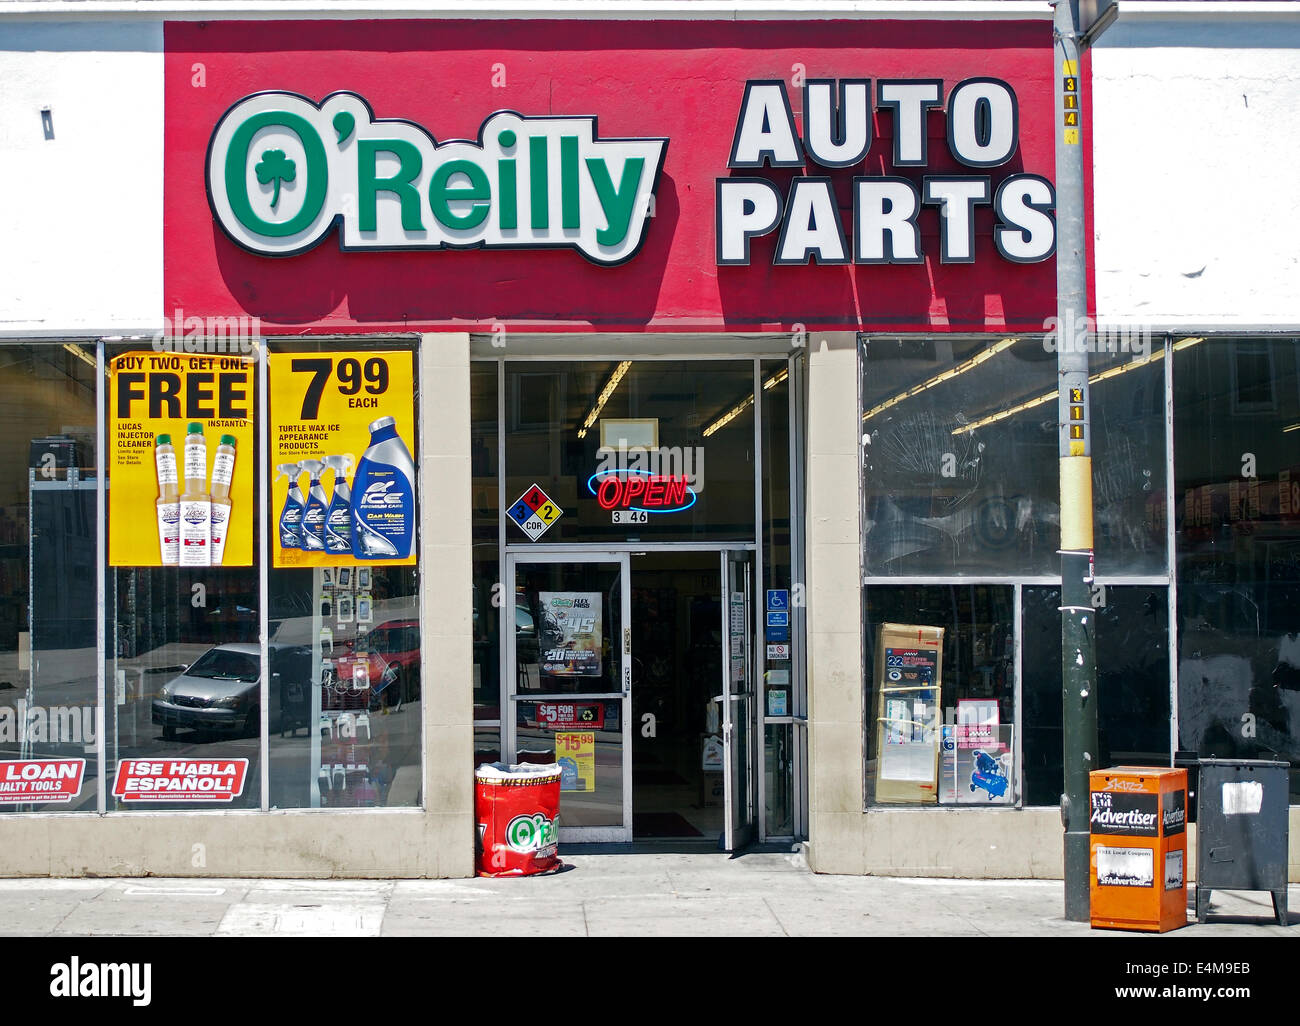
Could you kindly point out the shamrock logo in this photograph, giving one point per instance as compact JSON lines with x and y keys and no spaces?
{"x":275,"y":167}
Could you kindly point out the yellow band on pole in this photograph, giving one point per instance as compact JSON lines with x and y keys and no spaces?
{"x":1076,"y":503}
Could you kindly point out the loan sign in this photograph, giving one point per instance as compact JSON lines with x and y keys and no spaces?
{"x":41,"y":780}
{"x":282,"y":171}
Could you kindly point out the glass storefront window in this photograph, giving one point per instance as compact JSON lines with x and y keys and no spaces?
{"x":48,"y":555}
{"x":960,"y":457}
{"x":1237,"y":515}
{"x":778,"y":770}
{"x":1132,"y":683}
{"x":976,"y":713}
{"x":344,"y":630}
{"x":780,"y":678}
{"x":957,"y":480}
{"x":488,"y":593}
{"x":185,"y":669}
{"x":651,"y":450}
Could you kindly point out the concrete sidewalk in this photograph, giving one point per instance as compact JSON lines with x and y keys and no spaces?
{"x":607,"y":894}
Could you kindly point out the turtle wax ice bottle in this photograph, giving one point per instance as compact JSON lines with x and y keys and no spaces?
{"x":313,"y":510}
{"x":169,"y":506}
{"x":383,"y":496}
{"x":291,"y":515}
{"x":338,"y":518}
{"x":196,"y":506}
{"x":223,"y":471}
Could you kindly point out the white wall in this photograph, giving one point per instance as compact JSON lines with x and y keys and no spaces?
{"x":81,"y":214}
{"x":1197,"y":170}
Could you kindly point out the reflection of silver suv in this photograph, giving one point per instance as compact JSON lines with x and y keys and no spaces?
{"x":220,"y":691}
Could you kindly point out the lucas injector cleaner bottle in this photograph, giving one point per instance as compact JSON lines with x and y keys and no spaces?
{"x":196,"y":507}
{"x":383,"y":496}
{"x":338,"y":518}
{"x":291,"y":515}
{"x":169,"y":507}
{"x":313,"y":511}
{"x":223,"y":470}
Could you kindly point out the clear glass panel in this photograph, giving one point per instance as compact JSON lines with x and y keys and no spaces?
{"x":960,"y":457}
{"x":650,"y":451}
{"x":1132,"y":684}
{"x":778,"y":769}
{"x":345,"y":692}
{"x":777,"y":694}
{"x":48,"y":658}
{"x":955,"y":481}
{"x":740,"y":690}
{"x":488,"y":593}
{"x":568,"y":626}
{"x":977,"y":686}
{"x":1237,"y":511}
{"x":487,"y":744}
{"x":1130,"y":516}
{"x":184,"y":729}
{"x":344,"y":649}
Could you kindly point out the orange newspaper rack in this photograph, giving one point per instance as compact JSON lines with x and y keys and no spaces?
{"x":1139,"y":848}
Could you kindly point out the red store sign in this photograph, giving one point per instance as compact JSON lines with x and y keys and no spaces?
{"x":787,"y":176}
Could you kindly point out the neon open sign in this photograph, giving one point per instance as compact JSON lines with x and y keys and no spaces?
{"x":641,"y":491}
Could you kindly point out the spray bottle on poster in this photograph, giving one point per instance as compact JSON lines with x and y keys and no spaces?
{"x":291,"y":515}
{"x":383,"y":496}
{"x":313,"y":510}
{"x":338,"y":518}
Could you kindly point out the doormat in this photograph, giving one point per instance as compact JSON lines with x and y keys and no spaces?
{"x":662,"y":824}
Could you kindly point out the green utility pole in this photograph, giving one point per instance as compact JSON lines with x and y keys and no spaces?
{"x":1074,"y":336}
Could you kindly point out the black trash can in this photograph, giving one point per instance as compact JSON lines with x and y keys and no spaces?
{"x":1242,"y":830}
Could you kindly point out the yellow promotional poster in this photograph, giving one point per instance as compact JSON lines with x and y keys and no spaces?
{"x":180,"y":459}
{"x":575,"y":754}
{"x":342,"y":473}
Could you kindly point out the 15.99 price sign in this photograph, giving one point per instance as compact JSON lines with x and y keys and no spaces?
{"x":343,"y":475}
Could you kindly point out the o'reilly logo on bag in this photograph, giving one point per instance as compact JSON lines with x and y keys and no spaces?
{"x":1131,"y":815}
{"x":530,"y":833}
{"x":1174,"y":814}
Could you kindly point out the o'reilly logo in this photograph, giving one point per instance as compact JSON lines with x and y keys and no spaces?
{"x":282,"y":171}
{"x":530,"y":833}
{"x":102,"y":980}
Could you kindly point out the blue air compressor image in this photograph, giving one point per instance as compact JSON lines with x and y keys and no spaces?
{"x":988,"y":775}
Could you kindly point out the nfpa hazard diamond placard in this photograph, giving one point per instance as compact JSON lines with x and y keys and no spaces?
{"x":534,"y":512}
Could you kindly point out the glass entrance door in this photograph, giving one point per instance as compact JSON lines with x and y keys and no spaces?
{"x":738,"y":699}
{"x":569,"y":674}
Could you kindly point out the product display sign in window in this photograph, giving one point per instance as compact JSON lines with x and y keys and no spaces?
{"x":342,"y":421}
{"x":570,"y":633}
{"x":180,"y":443}
{"x":908,"y":665}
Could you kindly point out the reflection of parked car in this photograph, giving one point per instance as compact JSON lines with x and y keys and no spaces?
{"x":392,"y":652}
{"x":220,"y":691}
{"x":527,"y":647}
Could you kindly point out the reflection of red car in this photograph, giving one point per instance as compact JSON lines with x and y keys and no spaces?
{"x":392,"y":652}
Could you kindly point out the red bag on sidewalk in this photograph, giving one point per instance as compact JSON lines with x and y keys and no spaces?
{"x":518,"y":811}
